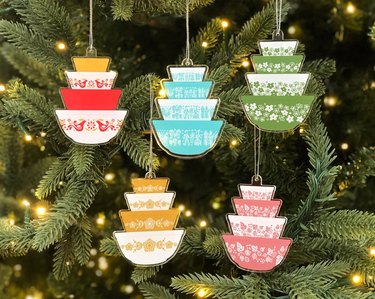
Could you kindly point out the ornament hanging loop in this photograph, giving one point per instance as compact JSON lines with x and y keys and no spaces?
{"x":150,"y":174}
{"x":256,"y":180}
{"x":187,"y":61}
{"x":278,"y":34}
{"x":91,"y":51}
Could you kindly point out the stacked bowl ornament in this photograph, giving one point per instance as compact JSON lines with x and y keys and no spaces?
{"x":188,"y":128}
{"x":255,"y":243}
{"x":149,"y":237}
{"x":277,"y":102}
{"x":91,"y":115}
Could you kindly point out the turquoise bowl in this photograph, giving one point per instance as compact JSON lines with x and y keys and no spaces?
{"x":187,"y":139}
{"x":187,"y":73}
{"x":187,"y":90}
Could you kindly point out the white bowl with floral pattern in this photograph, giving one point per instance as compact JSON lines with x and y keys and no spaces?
{"x":149,"y":248}
{"x":277,"y":84}
{"x":91,"y":126}
{"x":149,"y":201}
{"x":262,"y":227}
{"x":91,"y":80}
{"x":278,"y":48}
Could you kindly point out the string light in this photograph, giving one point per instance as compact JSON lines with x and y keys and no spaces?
{"x":162,"y":93}
{"x":292,"y":30}
{"x":205,"y":44}
{"x":372,"y":251}
{"x":102,"y":263}
{"x":233,"y":143}
{"x":61,"y":46}
{"x":100,"y":221}
{"x":203,"y":223}
{"x":224,"y":24}
{"x":301,"y":130}
{"x":344,"y":146}
{"x":181,"y":208}
{"x":245,"y":63}
{"x":12,"y":221}
{"x":350,"y":8}
{"x":43,"y":134}
{"x":330,"y":101}
{"x":28,"y":138}
{"x":356,"y":279}
{"x":109,"y":177}
{"x":41,"y":211}
{"x":188,"y":213}
{"x":216,"y":205}
{"x":26,"y":203}
{"x":42,"y":148}
{"x":127,"y":289}
{"x":2,"y":88}
{"x":202,"y":293}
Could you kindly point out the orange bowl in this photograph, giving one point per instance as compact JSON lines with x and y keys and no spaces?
{"x":156,"y":185}
{"x":91,"y":64}
{"x":256,"y":254}
{"x":137,"y":221}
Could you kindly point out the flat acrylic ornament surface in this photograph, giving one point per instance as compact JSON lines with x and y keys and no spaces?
{"x":149,"y":237}
{"x":188,"y":128}
{"x":255,"y":242}
{"x":91,"y":117}
{"x":277,"y":103}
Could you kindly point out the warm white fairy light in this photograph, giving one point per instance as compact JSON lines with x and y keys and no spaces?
{"x":41,"y":211}
{"x":26,"y":203}
{"x":100,"y":220}
{"x":202,"y":293}
{"x":181,"y":208}
{"x":344,"y":146}
{"x":245,"y":63}
{"x":162,"y":93}
{"x":350,"y":8}
{"x":109,"y":177}
{"x":203,"y":223}
{"x":43,"y":134}
{"x":61,"y":46}
{"x":204,"y":44}
{"x":216,"y":205}
{"x":224,"y":24}
{"x":330,"y":101}
{"x":102,"y":263}
{"x":356,"y":279}
{"x":127,"y":288}
{"x":234,"y":142}
{"x":188,"y":213}
{"x":372,"y":251}
{"x":12,"y":221}
{"x":292,"y":30}
{"x":2,"y":88}
{"x":28,"y":138}
{"x":301,"y":130}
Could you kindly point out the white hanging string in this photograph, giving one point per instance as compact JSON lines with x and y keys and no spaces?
{"x":187,"y":60}
{"x":278,"y":11}
{"x":91,"y":51}
{"x":257,"y":135}
{"x":150,"y":174}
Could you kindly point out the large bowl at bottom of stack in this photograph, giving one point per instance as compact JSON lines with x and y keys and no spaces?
{"x":257,"y":254}
{"x":91,"y":126}
{"x":277,"y":113}
{"x":187,"y":138}
{"x":149,"y":248}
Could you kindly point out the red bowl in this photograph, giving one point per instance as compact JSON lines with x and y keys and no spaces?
{"x":256,"y":254}
{"x":90,"y":99}
{"x":257,"y":208}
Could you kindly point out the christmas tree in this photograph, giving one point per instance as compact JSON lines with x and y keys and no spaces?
{"x":59,"y":201}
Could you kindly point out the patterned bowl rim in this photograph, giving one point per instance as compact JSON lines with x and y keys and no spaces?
{"x":252,"y":57}
{"x":181,"y":237}
{"x":260,"y":218}
{"x":251,"y":185}
{"x":181,"y":156}
{"x":193,"y":82}
{"x":205,"y":67}
{"x":173,"y":193}
{"x":255,"y":202}
{"x":278,"y":41}
{"x":248,"y":238}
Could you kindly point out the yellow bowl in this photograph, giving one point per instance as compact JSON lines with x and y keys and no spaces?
{"x":156,"y":185}
{"x":91,"y":64}
{"x":138,"y":221}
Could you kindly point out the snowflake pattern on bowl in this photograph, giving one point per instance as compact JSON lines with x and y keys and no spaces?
{"x":268,"y":67}
{"x":273,"y":51}
{"x":149,"y":224}
{"x":251,"y":210}
{"x":187,"y":138}
{"x":92,"y":125}
{"x":257,"y":231}
{"x":277,"y":112}
{"x":149,"y":245}
{"x":258,"y":254}
{"x":187,"y":112}
{"x":277,"y":89}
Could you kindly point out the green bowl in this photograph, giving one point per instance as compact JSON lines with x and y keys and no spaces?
{"x":277,"y":64}
{"x":277,"y":113}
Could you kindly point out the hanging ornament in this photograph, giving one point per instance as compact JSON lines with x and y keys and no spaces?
{"x":91,"y":116}
{"x":256,"y":243}
{"x":188,"y":128}
{"x":149,"y":237}
{"x":277,"y":103}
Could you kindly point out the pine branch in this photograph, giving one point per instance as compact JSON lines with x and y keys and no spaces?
{"x":229,"y":102}
{"x":81,"y":238}
{"x":33,"y":44}
{"x":63,"y":257}
{"x":141,"y":274}
{"x":344,"y":225}
{"x":193,"y":243}
{"x":214,"y":247}
{"x":155,"y":291}
{"x":231,"y":132}
{"x":220,"y":76}
{"x":82,"y":158}
{"x":320,"y":68}
{"x":122,"y":9}
{"x":15,"y":240}
{"x":251,"y":286}
{"x":108,"y":246}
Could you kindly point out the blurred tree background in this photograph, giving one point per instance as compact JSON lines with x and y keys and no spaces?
{"x":144,"y":37}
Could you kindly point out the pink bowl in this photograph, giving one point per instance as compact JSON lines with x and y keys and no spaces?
{"x":263,"y":192}
{"x":256,"y":254}
{"x":257,"y":208}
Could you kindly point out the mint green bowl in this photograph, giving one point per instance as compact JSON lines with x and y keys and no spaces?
{"x":277,"y":113}
{"x":277,"y":64}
